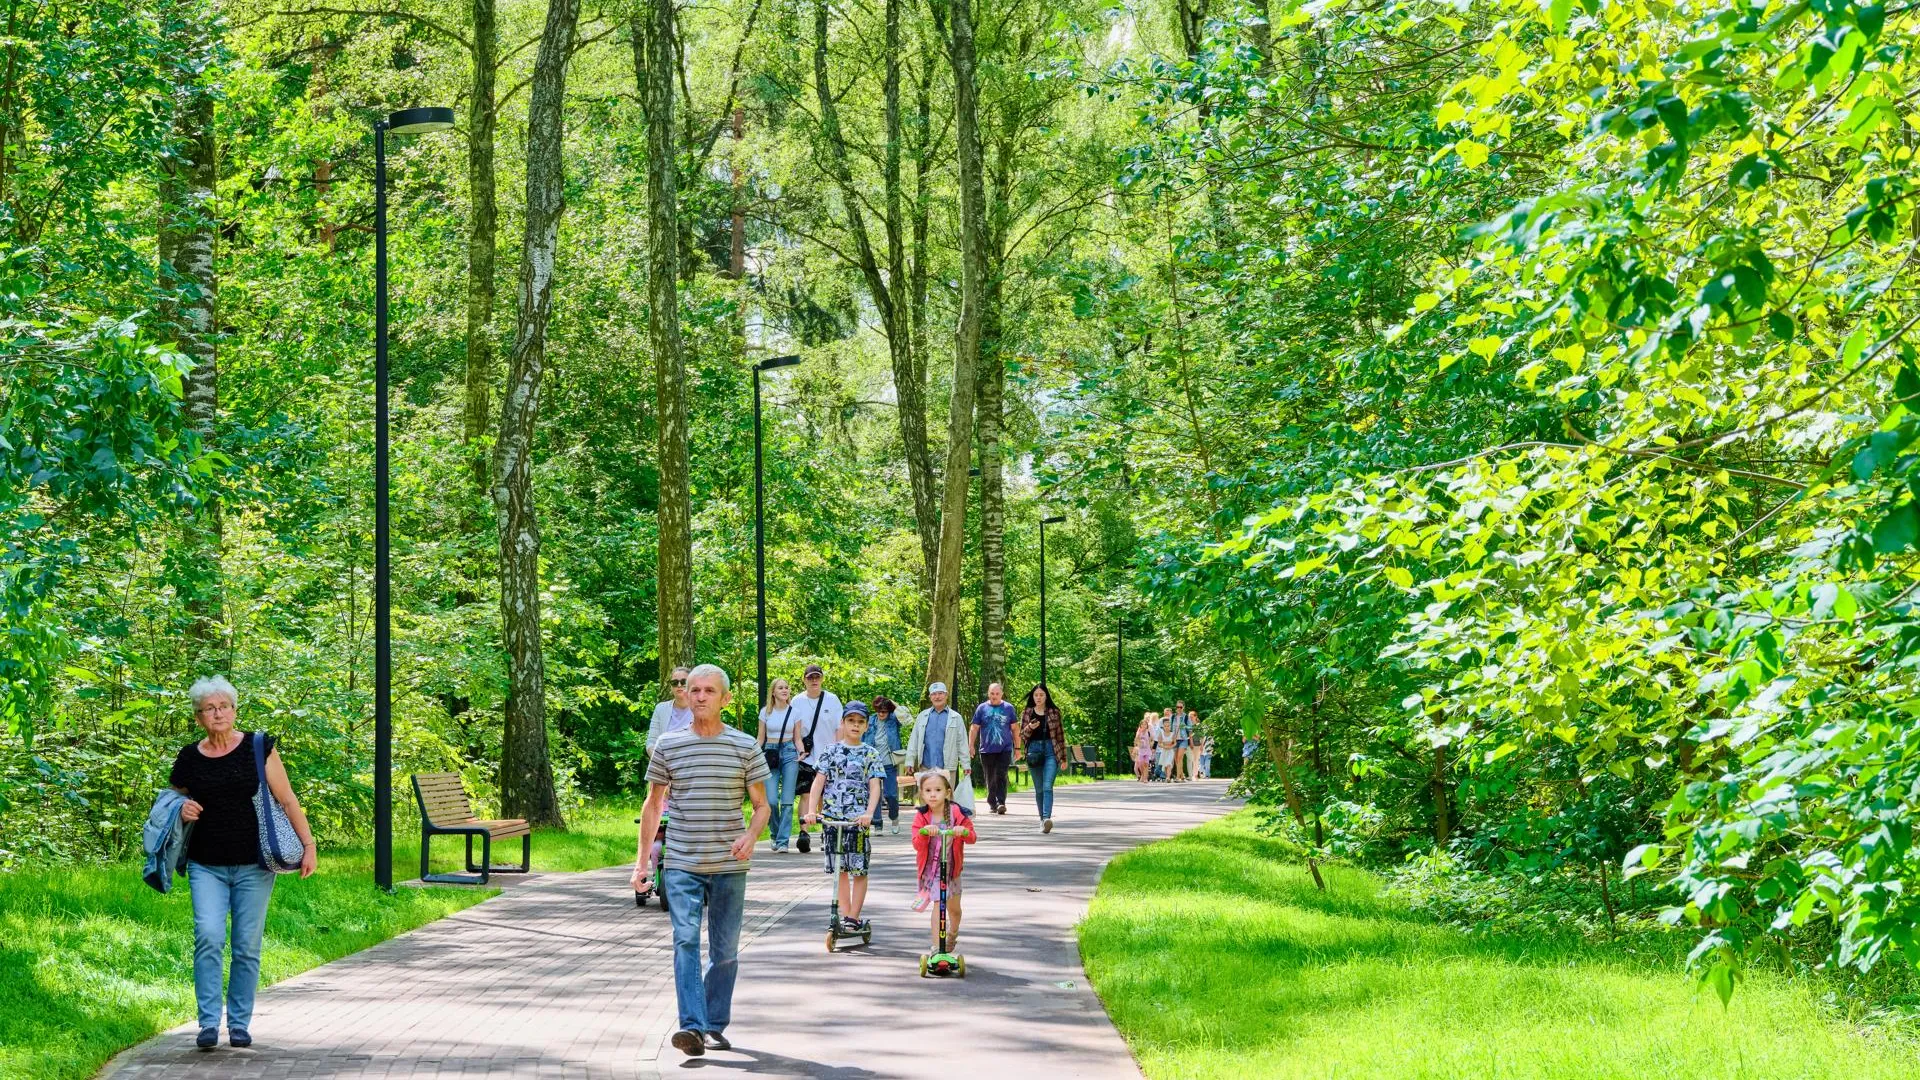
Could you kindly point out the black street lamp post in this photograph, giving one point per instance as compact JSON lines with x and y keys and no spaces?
{"x":1119,"y":682}
{"x":404,"y":122}
{"x":1044,"y":522}
{"x":760,"y":533}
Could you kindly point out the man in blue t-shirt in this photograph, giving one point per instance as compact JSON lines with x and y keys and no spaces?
{"x":990,"y":735}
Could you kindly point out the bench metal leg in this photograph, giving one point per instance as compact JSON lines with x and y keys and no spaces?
{"x":487,"y":865}
{"x":452,"y":879}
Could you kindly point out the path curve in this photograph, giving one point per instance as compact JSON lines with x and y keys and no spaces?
{"x":563,"y":977}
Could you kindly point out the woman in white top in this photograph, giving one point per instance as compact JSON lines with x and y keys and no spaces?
{"x":780,"y":742}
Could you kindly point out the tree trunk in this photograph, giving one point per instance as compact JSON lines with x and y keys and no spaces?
{"x":906,"y":346}
{"x":654,"y":68}
{"x":482,"y":239}
{"x":187,"y":233}
{"x":526,"y":774}
{"x":1280,"y":748}
{"x":944,"y":647}
{"x":1442,"y":803}
{"x":990,"y":420}
{"x":888,"y":288}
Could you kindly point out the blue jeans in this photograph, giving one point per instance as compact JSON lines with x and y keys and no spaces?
{"x":890,"y":794}
{"x":1045,"y":765}
{"x":220,"y":893}
{"x":705,"y":996}
{"x":781,"y":794}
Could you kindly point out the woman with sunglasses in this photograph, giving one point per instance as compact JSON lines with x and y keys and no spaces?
{"x":673,"y":714}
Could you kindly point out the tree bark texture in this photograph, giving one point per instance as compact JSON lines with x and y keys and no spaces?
{"x":921,"y":470}
{"x":186,"y":245}
{"x":482,"y":239}
{"x":944,"y":647}
{"x":654,"y":62}
{"x":990,"y":421}
{"x":526,"y":773}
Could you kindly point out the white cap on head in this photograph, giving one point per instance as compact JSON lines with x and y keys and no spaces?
{"x":937,"y":688}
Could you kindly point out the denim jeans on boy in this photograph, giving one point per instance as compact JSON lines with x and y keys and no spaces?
{"x":705,"y":995}
{"x":782,"y":795}
{"x":221,"y":894}
{"x":1045,"y":766}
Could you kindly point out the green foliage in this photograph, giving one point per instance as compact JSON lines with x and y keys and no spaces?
{"x":1636,"y":510}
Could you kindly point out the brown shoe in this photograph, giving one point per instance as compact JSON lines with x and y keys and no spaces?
{"x":689,"y":1042}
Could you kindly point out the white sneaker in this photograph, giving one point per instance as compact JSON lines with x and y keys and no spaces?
{"x":893,"y":828}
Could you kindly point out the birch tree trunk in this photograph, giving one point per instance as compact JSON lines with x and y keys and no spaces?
{"x":944,"y":647}
{"x":990,"y":419}
{"x":653,"y":68}
{"x":185,"y":245}
{"x":526,"y":774}
{"x":482,"y":239}
{"x":888,"y":286}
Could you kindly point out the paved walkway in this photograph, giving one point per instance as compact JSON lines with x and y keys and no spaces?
{"x":564,"y":977}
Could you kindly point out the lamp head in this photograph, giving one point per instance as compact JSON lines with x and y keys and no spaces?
{"x":773,"y":362}
{"x":1055,"y":520}
{"x":420,"y":121}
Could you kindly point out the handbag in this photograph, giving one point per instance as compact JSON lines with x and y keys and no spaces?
{"x":280,"y":848}
{"x":807,"y":772}
{"x":772,"y":752}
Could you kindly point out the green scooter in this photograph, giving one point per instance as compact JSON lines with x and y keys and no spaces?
{"x":943,"y":962}
{"x":658,"y":887}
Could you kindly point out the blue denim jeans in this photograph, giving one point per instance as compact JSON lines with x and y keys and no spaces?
{"x":221,"y":894}
{"x":705,"y":995}
{"x":781,"y":794}
{"x":1045,"y":765}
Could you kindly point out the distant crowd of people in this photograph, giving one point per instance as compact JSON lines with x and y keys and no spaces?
{"x":1170,"y":746}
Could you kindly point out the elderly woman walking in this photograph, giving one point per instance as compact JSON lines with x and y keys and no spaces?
{"x":229,"y":879}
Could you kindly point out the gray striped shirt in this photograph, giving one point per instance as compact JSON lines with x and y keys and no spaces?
{"x":707,"y":780}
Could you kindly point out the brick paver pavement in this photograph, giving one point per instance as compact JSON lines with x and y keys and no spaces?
{"x":561,"y":977}
{"x":564,"y":977}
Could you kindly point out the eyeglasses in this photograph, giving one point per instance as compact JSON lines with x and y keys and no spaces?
{"x":679,"y":682}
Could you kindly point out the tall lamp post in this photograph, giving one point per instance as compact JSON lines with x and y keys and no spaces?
{"x":1120,"y":682}
{"x":760,"y":532}
{"x":404,"y":122}
{"x":1044,"y":522}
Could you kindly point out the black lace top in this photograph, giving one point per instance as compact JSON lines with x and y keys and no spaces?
{"x":228,"y":832}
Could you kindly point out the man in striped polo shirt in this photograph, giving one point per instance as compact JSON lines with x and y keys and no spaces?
{"x":709,"y":770}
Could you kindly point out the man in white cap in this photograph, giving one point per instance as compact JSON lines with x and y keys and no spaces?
{"x":939,"y":741}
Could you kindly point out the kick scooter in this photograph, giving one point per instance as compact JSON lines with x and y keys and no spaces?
{"x":943,"y":962}
{"x":838,"y":839}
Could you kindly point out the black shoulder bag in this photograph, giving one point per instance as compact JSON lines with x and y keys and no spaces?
{"x":805,"y":782}
{"x":772,"y":750}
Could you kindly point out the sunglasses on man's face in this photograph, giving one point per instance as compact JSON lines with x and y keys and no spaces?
{"x":679,"y":682}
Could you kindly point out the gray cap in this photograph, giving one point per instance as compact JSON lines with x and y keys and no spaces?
{"x":937,"y":688}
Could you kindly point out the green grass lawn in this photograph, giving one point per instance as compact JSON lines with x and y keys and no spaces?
{"x":93,"y":961}
{"x":1217,"y":957}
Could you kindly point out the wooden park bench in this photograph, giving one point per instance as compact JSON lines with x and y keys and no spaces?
{"x":446,"y":811}
{"x":1081,"y":759}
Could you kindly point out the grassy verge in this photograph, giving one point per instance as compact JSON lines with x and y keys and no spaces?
{"x":1217,"y":957}
{"x":93,"y":961}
